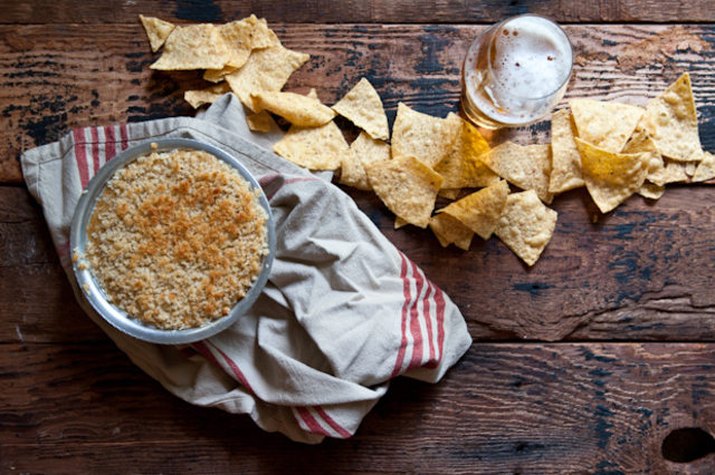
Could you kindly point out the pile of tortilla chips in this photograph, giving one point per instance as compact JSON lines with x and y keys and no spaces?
{"x":613,"y":149}
{"x":616,"y":149}
{"x":243,"y":56}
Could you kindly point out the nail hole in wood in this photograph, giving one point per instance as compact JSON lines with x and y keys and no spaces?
{"x":687,"y":444}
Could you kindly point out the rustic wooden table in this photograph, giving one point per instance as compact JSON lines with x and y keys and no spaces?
{"x":585,"y":363}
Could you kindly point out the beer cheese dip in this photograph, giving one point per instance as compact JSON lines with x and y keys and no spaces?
{"x":177,"y":238}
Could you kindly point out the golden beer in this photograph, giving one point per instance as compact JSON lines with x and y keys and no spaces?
{"x":515,"y":72}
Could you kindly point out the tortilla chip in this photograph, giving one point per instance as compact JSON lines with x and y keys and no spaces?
{"x":407,"y":186}
{"x":690,"y":168}
{"x":261,"y":122}
{"x":427,"y":138}
{"x":267,"y":69}
{"x":218,"y":75}
{"x":481,"y":210}
{"x":297,"y":109}
{"x":611,"y":177}
{"x":399,"y":222}
{"x":641,"y":142}
{"x":651,"y":191}
{"x":363,"y":107}
{"x":449,"y":193}
{"x":198,"y":46}
{"x":450,"y":231}
{"x":706,"y":168}
{"x":462,"y":168}
{"x":526,"y":225}
{"x":156,"y":30}
{"x":607,"y":125}
{"x":245,"y":35}
{"x":527,"y":167}
{"x":566,"y":162}
{"x":313,"y":93}
{"x":237,"y":36}
{"x":316,"y":148}
{"x":363,"y":150}
{"x":673,"y":172}
{"x":671,"y":119}
{"x":199,"y":97}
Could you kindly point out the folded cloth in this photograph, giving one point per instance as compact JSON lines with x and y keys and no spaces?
{"x":343,"y":313}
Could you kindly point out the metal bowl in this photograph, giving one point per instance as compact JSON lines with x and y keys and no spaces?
{"x":93,"y":291}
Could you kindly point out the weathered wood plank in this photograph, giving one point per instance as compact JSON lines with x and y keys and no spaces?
{"x":356,"y":11}
{"x":553,"y":408}
{"x":644,"y":272}
{"x":55,"y":77}
{"x":36,"y":301}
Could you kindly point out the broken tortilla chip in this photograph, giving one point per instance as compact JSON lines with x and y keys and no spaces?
{"x":198,"y":46}
{"x":427,"y":138}
{"x":297,"y":109}
{"x":691,"y":167}
{"x":218,"y":75}
{"x":480,"y":211}
{"x":526,"y":225}
{"x":565,"y":159}
{"x":525,"y":166}
{"x":261,"y":122}
{"x":199,"y":97}
{"x":267,"y":69}
{"x":364,"y":149}
{"x":463,"y":167}
{"x":363,"y":107}
{"x":641,"y":142}
{"x":407,"y":186}
{"x":449,"y":193}
{"x":156,"y":30}
{"x":315,"y":148}
{"x":450,"y":231}
{"x":706,"y":168}
{"x":672,"y":172}
{"x":399,"y":222}
{"x":607,"y":125}
{"x":243,"y":36}
{"x":651,"y":191}
{"x":671,"y":119}
{"x":611,"y":177}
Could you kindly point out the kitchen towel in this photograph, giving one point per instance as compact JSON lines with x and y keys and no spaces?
{"x":343,"y":313}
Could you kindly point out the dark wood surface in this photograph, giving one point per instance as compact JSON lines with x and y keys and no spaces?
{"x":584,"y":363}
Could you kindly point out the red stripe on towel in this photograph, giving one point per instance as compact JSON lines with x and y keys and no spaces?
{"x":81,"y":154}
{"x":110,"y":147}
{"x":124,"y":133}
{"x":439,"y":299}
{"x":313,"y":425}
{"x":417,"y":340}
{"x":331,"y":422}
{"x":234,"y":367}
{"x":405,"y":304}
{"x":95,"y":150}
{"x":426,"y":306}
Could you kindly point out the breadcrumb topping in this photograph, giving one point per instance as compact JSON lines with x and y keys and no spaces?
{"x":177,"y":238}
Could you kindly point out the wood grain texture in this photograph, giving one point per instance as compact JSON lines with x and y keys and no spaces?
{"x":516,"y":408}
{"x":55,"y":77}
{"x":36,"y":301}
{"x":356,"y":11}
{"x":645,"y":272}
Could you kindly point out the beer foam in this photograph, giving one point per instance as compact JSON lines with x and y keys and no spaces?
{"x":530,"y":61}
{"x":531,"y":57}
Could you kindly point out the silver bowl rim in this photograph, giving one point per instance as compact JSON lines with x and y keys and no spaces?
{"x":92,"y":290}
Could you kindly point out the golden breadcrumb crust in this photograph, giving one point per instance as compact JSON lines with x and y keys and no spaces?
{"x":177,"y":238}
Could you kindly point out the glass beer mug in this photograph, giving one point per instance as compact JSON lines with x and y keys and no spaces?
{"x":515,"y":72}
